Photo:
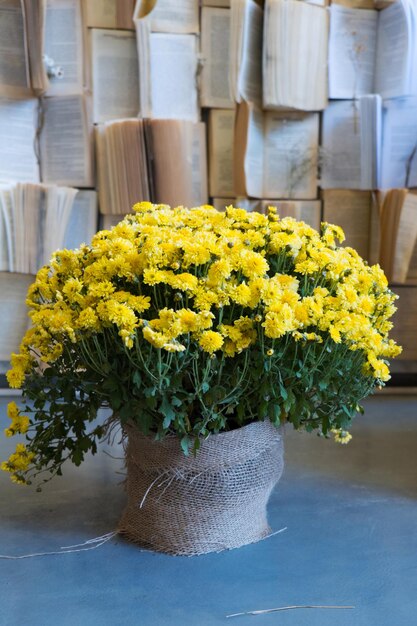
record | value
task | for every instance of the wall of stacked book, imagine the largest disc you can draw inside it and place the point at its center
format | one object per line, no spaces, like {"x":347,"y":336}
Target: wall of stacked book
{"x":299,"y":104}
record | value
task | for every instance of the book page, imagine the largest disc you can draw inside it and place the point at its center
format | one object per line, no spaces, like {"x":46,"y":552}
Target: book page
{"x":352,"y":210}
{"x":221,"y":132}
{"x":341,"y":158}
{"x":14,"y":63}
{"x":170,"y":16}
{"x":64,"y":45}
{"x":399,"y":143}
{"x":406,"y":239}
{"x":114,"y":74}
{"x":18,"y":123}
{"x":291,"y":155}
{"x":295,"y":56}
{"x":250,"y":74}
{"x":58,"y":208}
{"x":6,"y":228}
{"x":181,"y":180}
{"x":352,"y":49}
{"x":254,"y":154}
{"x":393,"y":54}
{"x":215,"y":52}
{"x":100,"y":13}
{"x":66,"y":142}
{"x":173,"y":70}
{"x":82,"y":224}
{"x":13,"y":311}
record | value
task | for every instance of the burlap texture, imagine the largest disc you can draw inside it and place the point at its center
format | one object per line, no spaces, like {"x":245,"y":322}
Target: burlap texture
{"x":205,"y":503}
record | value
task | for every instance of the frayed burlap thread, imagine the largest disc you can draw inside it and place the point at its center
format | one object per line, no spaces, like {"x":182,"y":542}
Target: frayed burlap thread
{"x":210,"y":502}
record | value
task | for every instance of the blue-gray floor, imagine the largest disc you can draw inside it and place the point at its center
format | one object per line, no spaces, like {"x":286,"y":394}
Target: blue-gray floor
{"x":351,"y":539}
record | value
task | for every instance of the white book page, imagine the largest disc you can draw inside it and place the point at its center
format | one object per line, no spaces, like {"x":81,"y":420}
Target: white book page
{"x":295,"y":56}
{"x":64,"y":45}
{"x":171,"y":16}
{"x":28,"y":226}
{"x":255,"y":154}
{"x":18,"y":122}
{"x":13,"y":311}
{"x":291,"y":155}
{"x":221,"y":137}
{"x":6,"y":229}
{"x":399,"y":143}
{"x":215,"y":52}
{"x":352,"y":49}
{"x":59,"y":206}
{"x":14,"y":66}
{"x":115,"y":74}
{"x":199,"y":182}
{"x":341,"y":157}
{"x":393,"y":52}
{"x":250,"y":71}
{"x":82,"y":224}
{"x":173,"y":69}
{"x":66,"y":150}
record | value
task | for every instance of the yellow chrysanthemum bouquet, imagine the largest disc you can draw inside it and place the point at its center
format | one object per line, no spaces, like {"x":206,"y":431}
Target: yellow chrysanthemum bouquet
{"x":192,"y":321}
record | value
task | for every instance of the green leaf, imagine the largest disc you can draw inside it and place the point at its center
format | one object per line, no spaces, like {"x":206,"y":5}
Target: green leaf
{"x":137,"y":379}
{"x":205,"y":387}
{"x":167,"y":411}
{"x":185,"y":444}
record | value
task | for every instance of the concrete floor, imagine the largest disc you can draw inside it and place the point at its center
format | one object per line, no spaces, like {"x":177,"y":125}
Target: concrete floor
{"x":351,"y":539}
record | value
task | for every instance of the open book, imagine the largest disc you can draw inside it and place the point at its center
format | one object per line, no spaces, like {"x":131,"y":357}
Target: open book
{"x":373,"y":51}
{"x":159,"y":160}
{"x":370,"y":144}
{"x":220,"y":152}
{"x":58,"y":132}
{"x":295,"y":55}
{"x":109,"y":14}
{"x":276,"y":153}
{"x":215,"y":58}
{"x":404,"y":330}
{"x":114,"y":73}
{"x":357,"y":212}
{"x":398,"y":217}
{"x":36,"y":220}
{"x":246,"y":30}
{"x":167,"y":73}
{"x":64,"y":47}
{"x":22,"y":68}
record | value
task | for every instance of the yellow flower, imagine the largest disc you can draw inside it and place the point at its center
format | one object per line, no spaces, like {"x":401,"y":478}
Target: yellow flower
{"x":12,"y":410}
{"x":341,"y":436}
{"x":252,"y":264}
{"x":210,"y":341}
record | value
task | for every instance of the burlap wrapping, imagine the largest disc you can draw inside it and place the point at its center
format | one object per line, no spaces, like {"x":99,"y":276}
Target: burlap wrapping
{"x":209,"y":502}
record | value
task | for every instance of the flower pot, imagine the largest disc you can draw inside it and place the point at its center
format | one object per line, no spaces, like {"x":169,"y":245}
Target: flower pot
{"x":210,"y":502}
